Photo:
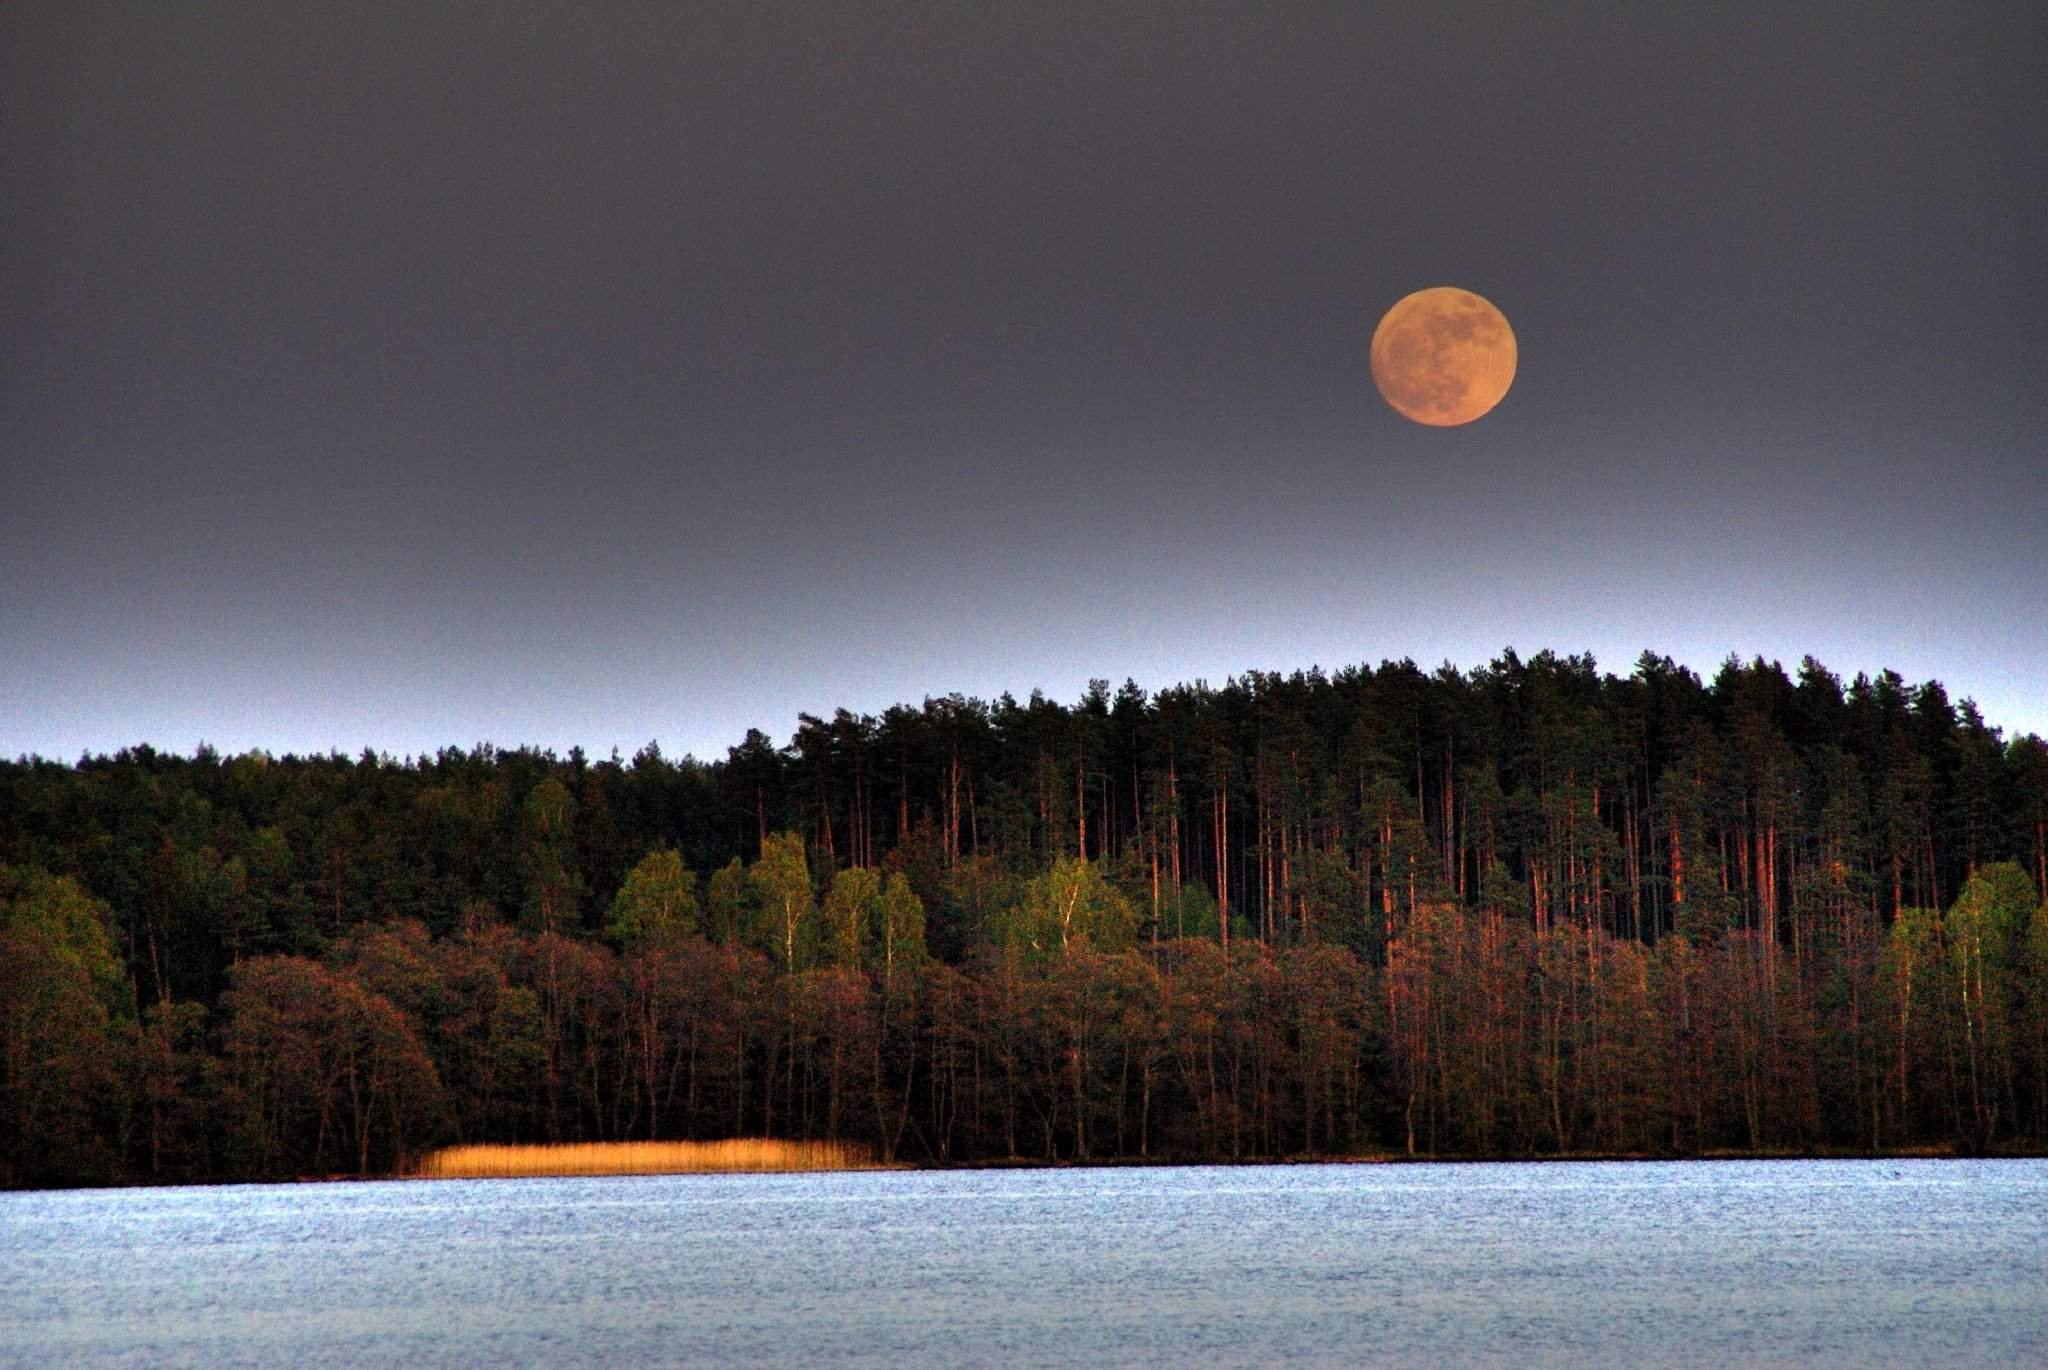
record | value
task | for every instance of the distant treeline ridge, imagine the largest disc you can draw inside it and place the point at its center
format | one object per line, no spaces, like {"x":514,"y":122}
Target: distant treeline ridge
{"x":1529,"y":909}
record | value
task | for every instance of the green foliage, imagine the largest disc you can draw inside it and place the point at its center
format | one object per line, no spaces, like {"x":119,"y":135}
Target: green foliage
{"x":902,"y":926}
{"x":71,"y":924}
{"x":1913,"y":947}
{"x":1192,"y":914}
{"x":733,"y":909}
{"x":1330,"y":901}
{"x":853,"y":917}
{"x":1986,"y":933}
{"x":1990,"y":918}
{"x":782,"y":878}
{"x":657,"y":901}
{"x":554,"y":884}
{"x":60,"y":988}
{"x":1069,"y":906}
{"x":1647,"y":913}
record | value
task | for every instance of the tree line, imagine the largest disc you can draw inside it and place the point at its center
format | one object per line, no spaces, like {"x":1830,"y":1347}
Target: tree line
{"x":1526,"y":909}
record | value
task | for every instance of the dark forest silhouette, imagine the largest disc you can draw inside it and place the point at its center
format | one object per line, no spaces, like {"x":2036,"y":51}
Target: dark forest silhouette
{"x":1524,"y":910}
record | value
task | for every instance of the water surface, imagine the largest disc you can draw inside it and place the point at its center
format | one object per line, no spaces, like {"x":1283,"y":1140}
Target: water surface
{"x":1721,"y":1263}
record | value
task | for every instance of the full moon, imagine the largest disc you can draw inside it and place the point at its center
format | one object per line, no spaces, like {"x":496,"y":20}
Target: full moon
{"x":1443,"y":356}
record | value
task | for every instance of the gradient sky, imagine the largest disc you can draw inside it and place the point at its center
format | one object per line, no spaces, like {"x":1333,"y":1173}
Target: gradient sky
{"x":597,"y":374}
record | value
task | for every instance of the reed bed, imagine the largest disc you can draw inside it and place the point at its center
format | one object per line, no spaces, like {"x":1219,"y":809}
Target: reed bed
{"x":739,"y":1155}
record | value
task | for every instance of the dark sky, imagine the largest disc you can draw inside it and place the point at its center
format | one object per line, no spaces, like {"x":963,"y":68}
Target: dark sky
{"x":594,"y":373}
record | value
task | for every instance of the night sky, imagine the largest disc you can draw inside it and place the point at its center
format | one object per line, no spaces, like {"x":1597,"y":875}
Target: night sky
{"x":596,"y":374}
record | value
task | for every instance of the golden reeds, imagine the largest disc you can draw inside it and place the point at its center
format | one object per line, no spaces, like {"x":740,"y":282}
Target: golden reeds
{"x":741,"y":1154}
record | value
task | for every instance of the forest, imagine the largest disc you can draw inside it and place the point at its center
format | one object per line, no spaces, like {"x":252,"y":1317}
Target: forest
{"x":1529,"y":909}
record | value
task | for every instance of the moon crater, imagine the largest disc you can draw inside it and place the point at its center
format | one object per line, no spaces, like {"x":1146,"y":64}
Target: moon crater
{"x":1443,"y":356}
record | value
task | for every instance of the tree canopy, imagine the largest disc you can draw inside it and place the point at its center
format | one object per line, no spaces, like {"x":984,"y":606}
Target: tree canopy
{"x":1528,"y":908}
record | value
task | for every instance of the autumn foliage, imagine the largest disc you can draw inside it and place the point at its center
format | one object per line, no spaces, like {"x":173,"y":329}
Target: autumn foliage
{"x":1526,"y":911}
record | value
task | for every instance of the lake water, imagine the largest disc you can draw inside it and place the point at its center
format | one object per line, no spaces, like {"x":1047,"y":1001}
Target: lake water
{"x":1720,"y":1263}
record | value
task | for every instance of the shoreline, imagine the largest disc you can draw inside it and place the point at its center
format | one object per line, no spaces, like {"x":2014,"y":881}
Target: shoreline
{"x":1138,"y":1163}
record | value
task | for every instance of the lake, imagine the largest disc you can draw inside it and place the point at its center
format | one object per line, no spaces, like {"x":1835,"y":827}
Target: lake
{"x":1700,"y":1263}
